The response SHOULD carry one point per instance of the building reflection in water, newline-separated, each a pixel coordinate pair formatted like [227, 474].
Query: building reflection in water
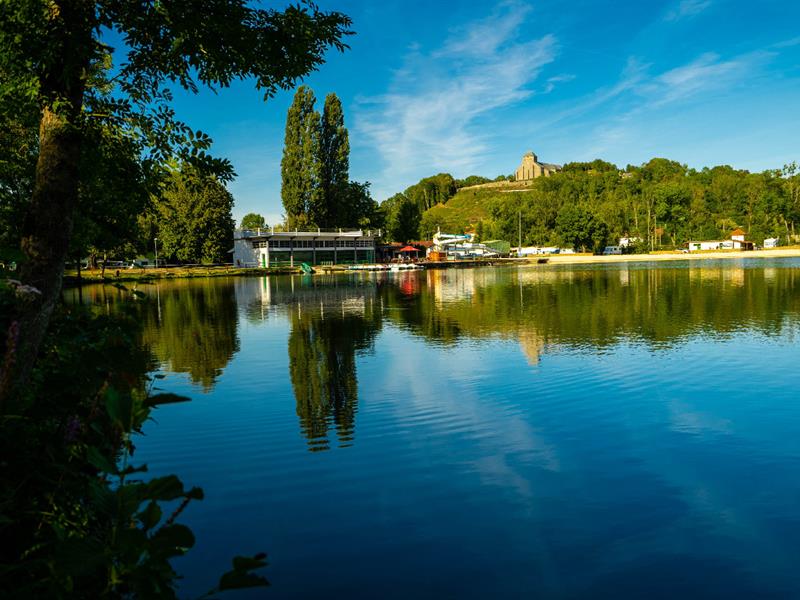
[331, 321]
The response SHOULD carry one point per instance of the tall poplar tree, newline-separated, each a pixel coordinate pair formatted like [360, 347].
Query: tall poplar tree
[334, 166]
[299, 171]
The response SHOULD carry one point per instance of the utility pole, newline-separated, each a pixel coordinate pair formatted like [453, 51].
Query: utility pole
[519, 238]
[156, 243]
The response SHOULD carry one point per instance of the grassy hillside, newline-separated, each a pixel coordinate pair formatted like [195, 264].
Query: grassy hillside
[465, 210]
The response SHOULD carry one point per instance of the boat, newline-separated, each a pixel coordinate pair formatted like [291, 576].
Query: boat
[406, 267]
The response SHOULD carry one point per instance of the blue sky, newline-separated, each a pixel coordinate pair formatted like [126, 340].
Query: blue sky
[468, 87]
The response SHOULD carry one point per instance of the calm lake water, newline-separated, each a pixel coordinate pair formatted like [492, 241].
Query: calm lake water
[566, 432]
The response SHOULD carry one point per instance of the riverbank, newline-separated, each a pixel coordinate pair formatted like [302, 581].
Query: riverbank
[141, 275]
[121, 275]
[575, 259]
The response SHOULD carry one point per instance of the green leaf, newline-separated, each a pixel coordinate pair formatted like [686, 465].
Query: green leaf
[100, 461]
[172, 540]
[248, 563]
[150, 516]
[120, 408]
[165, 488]
[130, 469]
[237, 580]
[195, 493]
[165, 398]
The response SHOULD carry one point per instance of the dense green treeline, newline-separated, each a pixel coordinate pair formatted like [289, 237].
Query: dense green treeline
[662, 203]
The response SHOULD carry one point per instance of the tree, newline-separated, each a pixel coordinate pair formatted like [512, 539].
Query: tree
[430, 191]
[253, 221]
[195, 222]
[402, 218]
[473, 180]
[357, 208]
[48, 51]
[333, 164]
[299, 167]
[581, 229]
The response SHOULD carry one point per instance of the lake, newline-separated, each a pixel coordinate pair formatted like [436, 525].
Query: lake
[544, 431]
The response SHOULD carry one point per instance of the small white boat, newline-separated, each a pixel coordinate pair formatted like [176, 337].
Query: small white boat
[406, 267]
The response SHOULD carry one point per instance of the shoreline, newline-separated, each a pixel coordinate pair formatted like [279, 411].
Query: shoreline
[144, 275]
[577, 259]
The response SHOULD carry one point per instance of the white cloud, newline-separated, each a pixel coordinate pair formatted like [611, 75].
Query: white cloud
[706, 73]
[550, 85]
[687, 8]
[426, 121]
[644, 98]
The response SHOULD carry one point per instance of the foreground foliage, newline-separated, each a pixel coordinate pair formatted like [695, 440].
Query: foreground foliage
[78, 518]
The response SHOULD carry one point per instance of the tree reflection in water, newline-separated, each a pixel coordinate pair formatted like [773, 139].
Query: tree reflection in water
[192, 326]
[331, 321]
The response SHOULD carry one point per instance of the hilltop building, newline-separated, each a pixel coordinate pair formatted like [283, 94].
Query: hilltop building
[531, 168]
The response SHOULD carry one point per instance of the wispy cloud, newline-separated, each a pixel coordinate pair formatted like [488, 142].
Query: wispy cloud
[706, 73]
[426, 120]
[644, 96]
[551, 83]
[687, 8]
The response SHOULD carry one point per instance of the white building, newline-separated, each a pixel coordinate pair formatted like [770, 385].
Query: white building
[771, 243]
[532, 250]
[720, 245]
[267, 247]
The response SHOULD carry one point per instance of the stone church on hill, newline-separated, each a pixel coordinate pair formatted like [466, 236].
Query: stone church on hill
[531, 168]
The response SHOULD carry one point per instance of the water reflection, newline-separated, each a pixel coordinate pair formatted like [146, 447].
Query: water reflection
[192, 325]
[192, 328]
[331, 320]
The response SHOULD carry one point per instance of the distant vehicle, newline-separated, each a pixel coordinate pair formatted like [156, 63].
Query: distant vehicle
[771, 243]
[612, 250]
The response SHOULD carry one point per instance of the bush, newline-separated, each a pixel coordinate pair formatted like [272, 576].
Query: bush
[77, 518]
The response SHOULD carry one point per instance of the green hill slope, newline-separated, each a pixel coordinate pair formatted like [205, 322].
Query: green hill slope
[465, 210]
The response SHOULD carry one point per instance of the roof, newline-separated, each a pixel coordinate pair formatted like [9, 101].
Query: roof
[409, 249]
[738, 231]
[304, 235]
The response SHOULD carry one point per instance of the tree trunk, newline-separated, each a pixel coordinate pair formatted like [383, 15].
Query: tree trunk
[47, 230]
[48, 223]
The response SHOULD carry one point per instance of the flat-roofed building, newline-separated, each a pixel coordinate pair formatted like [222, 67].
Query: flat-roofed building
[269, 248]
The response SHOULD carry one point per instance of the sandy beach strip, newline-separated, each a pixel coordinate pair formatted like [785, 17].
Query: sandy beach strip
[574, 259]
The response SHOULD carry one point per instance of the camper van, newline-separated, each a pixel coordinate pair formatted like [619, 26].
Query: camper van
[612, 250]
